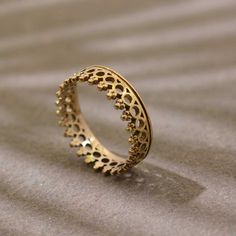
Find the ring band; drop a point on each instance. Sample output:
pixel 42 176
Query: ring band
pixel 126 99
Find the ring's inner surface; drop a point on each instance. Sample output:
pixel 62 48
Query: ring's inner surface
pixel 103 119
pixel 89 141
pixel 84 139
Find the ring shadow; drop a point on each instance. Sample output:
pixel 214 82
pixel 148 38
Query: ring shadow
pixel 158 183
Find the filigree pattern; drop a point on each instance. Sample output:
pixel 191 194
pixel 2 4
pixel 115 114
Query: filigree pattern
pixel 125 99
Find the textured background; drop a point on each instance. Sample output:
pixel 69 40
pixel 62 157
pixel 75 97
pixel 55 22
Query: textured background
pixel 180 56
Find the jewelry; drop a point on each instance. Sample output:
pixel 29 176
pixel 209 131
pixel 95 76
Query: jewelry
pixel 125 99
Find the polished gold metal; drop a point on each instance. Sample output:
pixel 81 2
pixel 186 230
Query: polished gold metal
pixel 126 99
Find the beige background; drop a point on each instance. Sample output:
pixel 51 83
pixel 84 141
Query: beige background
pixel 180 56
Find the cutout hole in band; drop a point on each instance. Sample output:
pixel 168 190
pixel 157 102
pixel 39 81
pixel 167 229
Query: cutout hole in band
pixel 110 79
pixel 100 73
pixel 97 154
pixel 113 163
pixel 143 135
pixel 88 146
pixel 119 88
pixel 76 128
pixel 128 98
pixel 139 123
pixel 143 146
pixel 105 160
pixel 90 71
pixel 134 111
pixel 81 137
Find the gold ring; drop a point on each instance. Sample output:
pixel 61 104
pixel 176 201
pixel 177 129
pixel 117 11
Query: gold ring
pixel 125 99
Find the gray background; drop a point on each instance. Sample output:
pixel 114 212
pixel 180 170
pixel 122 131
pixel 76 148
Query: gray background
pixel 180 56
